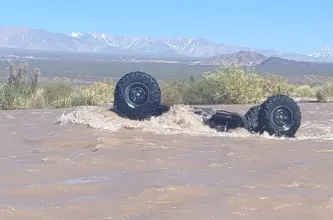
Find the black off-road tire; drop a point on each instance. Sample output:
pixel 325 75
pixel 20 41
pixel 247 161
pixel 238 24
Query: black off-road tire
pixel 137 96
pixel 251 122
pixel 161 109
pixel 280 116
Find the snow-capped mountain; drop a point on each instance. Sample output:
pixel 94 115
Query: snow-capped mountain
pixel 186 46
pixel 195 47
pixel 25 38
pixel 326 52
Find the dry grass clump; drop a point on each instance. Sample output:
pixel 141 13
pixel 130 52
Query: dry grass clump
pixel 64 95
pixel 305 91
pixel 325 93
pixel 273 84
pixel 173 93
pixel 22 91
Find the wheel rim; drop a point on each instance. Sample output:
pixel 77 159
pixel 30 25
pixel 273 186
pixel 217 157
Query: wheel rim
pixel 137 94
pixel 283 117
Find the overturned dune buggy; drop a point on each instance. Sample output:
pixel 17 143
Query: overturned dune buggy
pixel 137 96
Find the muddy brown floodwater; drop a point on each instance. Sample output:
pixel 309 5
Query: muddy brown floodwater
pixel 88 163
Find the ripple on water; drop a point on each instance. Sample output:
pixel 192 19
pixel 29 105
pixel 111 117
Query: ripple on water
pixel 83 180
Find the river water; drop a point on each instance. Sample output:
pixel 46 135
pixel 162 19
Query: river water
pixel 88 163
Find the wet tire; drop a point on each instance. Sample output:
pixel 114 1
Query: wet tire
pixel 280 116
pixel 137 95
pixel 161 109
pixel 251 122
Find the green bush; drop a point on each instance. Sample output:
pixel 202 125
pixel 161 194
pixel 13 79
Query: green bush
pixel 16 97
pixel 233 85
pixel 199 92
pixel 273 84
pixel 304 91
pixel 58 95
pixel 173 93
pixel 325 93
pixel 224 85
pixel 21 90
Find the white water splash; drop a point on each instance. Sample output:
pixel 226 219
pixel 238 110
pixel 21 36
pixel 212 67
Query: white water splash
pixel 180 119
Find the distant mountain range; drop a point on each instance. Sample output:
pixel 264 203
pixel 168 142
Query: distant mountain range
pixel 175 47
pixel 243 58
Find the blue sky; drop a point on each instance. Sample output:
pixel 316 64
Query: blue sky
pixel 298 26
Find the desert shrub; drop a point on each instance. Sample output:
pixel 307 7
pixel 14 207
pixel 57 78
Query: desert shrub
pixel 63 95
pixel 230 85
pixel 199 92
pixel 22 91
pixel 325 93
pixel 186 91
pixel 102 92
pixel 58 95
pixel 273 84
pixel 304 91
pixel 99 93
pixel 223 85
pixel 234 85
pixel 174 92
pixel 15 97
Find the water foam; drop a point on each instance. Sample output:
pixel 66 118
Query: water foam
pixel 180 119
pixel 316 130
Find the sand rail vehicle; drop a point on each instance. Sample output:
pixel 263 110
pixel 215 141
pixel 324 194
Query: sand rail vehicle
pixel 137 96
